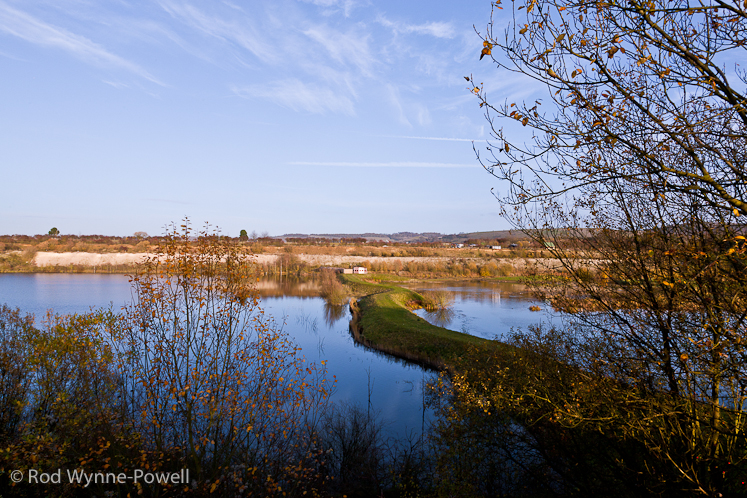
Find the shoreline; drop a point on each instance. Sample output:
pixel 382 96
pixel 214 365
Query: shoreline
pixel 383 321
pixel 397 267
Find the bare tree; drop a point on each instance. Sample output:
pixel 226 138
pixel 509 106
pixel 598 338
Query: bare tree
pixel 636 172
pixel 637 90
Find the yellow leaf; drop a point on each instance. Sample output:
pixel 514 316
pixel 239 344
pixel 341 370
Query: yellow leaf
pixel 736 212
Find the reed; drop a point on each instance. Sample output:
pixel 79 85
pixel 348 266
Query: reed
pixel 437 299
pixel 332 290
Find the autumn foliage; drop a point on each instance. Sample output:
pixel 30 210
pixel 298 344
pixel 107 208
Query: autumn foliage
pixel 636 152
pixel 192 375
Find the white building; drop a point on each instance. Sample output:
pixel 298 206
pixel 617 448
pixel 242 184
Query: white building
pixel 360 269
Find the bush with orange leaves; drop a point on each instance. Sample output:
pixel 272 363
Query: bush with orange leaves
pixel 207 374
pixel 191 375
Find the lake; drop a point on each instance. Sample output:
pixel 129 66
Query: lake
pixel 486 309
pixel 391 387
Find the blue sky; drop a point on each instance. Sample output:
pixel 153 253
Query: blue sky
pixel 311 116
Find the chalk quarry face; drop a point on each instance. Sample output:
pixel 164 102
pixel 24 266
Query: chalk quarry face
pixel 87 258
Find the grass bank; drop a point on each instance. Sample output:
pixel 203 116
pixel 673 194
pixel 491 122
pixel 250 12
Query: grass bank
pixel 383 320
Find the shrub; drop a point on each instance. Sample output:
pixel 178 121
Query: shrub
pixel 191 375
pixel 505 270
pixel 208 376
pixel 333 291
pixel 437 299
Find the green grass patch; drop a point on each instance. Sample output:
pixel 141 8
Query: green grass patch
pixel 508 278
pixel 386 324
pixel 386 277
pixel 359 287
pixel 383 320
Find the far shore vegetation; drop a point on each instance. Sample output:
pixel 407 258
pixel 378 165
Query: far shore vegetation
pixel 424 260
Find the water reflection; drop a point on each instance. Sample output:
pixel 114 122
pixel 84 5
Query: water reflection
pixel 484 309
pixel 288 286
pixel 440 317
pixel 333 313
pixel 393 387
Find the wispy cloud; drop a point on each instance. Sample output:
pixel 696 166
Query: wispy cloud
pixel 395 164
pixel 299 96
pixel 349 48
pixel 439 29
pixel 10 56
pixel 332 6
pixel 230 30
pixel 396 101
pixel 423 114
pixel 506 86
pixel 33 30
pixel 117 84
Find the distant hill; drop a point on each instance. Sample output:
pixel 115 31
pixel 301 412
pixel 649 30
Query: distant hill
pixel 413 237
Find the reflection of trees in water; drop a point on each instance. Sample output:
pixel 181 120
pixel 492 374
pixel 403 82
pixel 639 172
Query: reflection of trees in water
pixel 480 292
pixel 333 312
pixel 481 297
pixel 288 286
pixel 440 317
pixel 390 358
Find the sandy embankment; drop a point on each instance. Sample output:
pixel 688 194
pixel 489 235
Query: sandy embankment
pixel 314 260
pixel 115 258
pixel 335 260
pixel 87 258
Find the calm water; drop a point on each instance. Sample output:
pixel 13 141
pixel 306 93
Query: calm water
pixel 392 387
pixel 487 309
pixel 322 332
pixel 63 293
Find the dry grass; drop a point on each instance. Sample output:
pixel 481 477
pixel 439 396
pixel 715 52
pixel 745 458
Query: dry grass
pixel 333 291
pixel 437 299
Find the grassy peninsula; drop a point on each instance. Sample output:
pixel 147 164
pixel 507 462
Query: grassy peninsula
pixel 383 321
